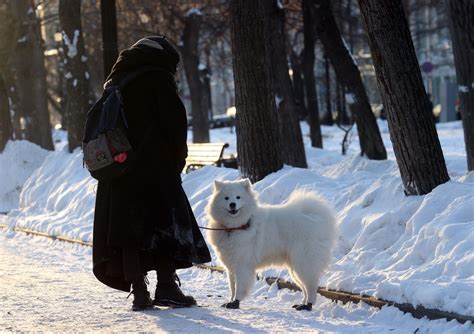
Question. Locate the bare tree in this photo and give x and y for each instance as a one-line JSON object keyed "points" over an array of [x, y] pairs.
{"points": [[461, 19], [258, 142], [348, 75], [412, 129], [30, 74], [199, 99], [287, 111], [308, 73], [108, 15], [346, 140], [75, 67]]}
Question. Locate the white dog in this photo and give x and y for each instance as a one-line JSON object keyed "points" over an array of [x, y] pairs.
{"points": [[247, 236]]}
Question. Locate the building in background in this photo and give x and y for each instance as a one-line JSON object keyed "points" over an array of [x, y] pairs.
{"points": [[432, 41]]}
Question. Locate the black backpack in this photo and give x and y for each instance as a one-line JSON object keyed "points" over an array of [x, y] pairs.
{"points": [[106, 148]]}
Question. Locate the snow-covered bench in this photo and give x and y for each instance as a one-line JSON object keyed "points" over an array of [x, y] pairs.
{"points": [[200, 155]]}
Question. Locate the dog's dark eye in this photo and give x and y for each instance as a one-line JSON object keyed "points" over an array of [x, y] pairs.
{"points": [[238, 197], [226, 198]]}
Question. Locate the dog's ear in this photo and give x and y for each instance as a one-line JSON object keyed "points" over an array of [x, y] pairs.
{"points": [[246, 183], [217, 185]]}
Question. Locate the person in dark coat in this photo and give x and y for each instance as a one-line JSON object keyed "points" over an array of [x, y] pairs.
{"points": [[143, 220]]}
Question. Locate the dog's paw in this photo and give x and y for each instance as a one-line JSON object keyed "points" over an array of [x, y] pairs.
{"points": [[232, 305], [306, 307]]}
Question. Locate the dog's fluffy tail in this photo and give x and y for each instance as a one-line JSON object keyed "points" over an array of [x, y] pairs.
{"points": [[309, 202]]}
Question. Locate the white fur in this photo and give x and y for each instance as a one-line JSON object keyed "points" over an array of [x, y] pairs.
{"points": [[298, 235]]}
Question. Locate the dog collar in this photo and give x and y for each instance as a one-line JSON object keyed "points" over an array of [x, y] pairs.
{"points": [[243, 227], [229, 229]]}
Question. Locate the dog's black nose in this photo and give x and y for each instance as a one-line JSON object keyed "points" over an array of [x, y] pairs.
{"points": [[232, 205]]}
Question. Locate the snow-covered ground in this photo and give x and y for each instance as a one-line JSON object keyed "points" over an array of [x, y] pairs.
{"points": [[405, 249], [47, 286]]}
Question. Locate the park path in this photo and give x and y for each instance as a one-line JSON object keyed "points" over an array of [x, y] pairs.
{"points": [[47, 285]]}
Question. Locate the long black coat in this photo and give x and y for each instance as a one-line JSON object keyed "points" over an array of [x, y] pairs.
{"points": [[147, 210]]}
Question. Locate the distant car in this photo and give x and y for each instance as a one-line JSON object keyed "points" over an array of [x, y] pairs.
{"points": [[218, 121]]}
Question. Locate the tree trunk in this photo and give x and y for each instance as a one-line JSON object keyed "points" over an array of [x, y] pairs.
{"points": [[290, 130], [190, 53], [108, 16], [406, 8], [308, 73], [77, 78], [338, 103], [205, 83], [258, 142], [352, 25], [348, 74], [461, 24], [14, 101], [206, 79], [61, 87], [298, 84], [327, 119], [6, 130], [350, 120], [412, 129], [6, 46], [30, 76], [342, 117]]}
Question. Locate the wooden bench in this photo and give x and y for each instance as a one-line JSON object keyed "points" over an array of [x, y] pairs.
{"points": [[200, 155]]}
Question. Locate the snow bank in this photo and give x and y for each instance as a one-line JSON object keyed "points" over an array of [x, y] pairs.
{"points": [[58, 198], [407, 249], [17, 162], [415, 249]]}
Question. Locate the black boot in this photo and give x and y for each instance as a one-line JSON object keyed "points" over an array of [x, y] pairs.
{"points": [[167, 291], [169, 294], [141, 296]]}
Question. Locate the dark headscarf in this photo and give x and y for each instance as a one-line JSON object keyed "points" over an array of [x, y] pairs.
{"points": [[154, 51]]}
